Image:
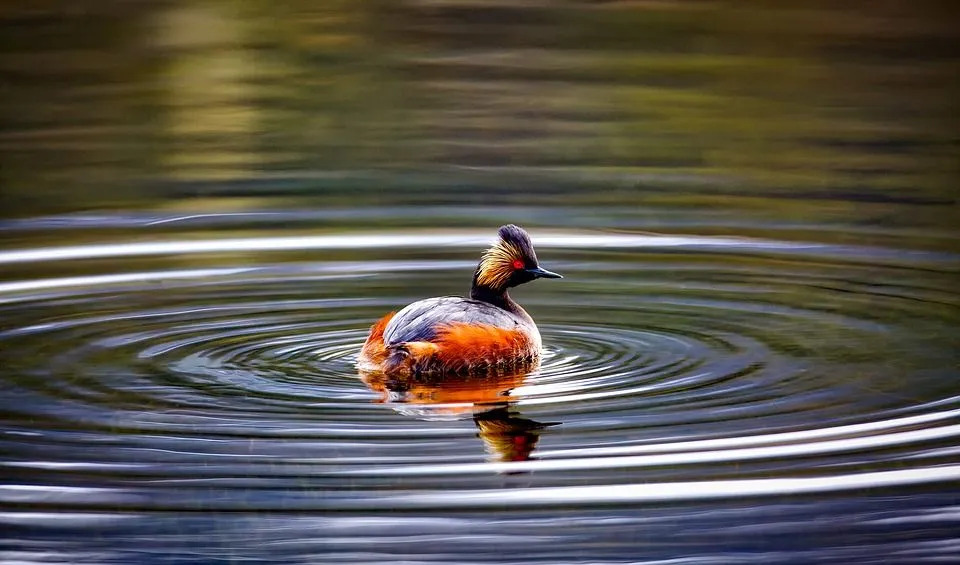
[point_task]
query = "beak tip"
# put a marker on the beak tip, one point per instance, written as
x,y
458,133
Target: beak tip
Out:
x,y
545,274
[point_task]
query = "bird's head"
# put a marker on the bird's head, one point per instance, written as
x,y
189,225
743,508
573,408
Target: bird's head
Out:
x,y
511,261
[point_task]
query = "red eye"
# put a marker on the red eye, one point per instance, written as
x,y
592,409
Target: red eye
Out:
x,y
517,264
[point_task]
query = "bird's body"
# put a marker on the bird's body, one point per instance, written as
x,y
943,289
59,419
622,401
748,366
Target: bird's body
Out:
x,y
449,335
425,319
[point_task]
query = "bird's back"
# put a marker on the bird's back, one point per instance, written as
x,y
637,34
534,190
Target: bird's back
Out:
x,y
424,319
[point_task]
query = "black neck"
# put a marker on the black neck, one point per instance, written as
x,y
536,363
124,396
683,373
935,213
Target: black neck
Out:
x,y
490,295
498,298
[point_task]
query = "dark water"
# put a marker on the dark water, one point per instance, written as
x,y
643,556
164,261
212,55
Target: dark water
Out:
x,y
752,358
721,399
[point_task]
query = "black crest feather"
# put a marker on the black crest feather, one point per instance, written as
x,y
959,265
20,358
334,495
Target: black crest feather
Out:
x,y
516,235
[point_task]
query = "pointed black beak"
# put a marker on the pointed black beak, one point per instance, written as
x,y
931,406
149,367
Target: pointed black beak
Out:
x,y
543,274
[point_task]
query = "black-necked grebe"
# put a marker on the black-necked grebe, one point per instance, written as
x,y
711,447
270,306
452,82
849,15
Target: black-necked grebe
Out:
x,y
450,335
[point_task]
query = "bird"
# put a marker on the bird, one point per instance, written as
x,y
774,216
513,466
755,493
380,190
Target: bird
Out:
x,y
487,333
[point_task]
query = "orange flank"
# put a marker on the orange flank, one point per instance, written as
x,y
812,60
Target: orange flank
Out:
x,y
458,349
465,347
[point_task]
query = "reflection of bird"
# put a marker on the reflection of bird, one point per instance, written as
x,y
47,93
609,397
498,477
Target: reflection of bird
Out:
x,y
457,395
487,333
508,437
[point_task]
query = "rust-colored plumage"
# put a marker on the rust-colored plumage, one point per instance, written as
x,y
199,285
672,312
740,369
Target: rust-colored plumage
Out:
x,y
466,349
374,350
488,333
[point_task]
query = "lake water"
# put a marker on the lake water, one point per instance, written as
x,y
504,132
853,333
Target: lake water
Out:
x,y
752,358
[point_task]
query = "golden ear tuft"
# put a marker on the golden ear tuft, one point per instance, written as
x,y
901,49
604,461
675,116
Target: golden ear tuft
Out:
x,y
496,265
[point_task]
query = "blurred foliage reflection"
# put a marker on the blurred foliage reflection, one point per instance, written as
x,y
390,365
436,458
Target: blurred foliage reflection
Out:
x,y
444,101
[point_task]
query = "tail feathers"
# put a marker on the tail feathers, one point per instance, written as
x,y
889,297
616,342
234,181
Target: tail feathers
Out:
x,y
374,351
409,357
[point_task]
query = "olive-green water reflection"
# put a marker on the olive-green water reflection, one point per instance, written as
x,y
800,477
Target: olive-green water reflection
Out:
x,y
350,103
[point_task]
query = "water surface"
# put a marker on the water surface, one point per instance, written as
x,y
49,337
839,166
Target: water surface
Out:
x,y
750,399
752,357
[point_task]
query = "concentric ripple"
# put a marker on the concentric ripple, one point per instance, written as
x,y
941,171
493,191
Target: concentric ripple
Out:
x,y
220,376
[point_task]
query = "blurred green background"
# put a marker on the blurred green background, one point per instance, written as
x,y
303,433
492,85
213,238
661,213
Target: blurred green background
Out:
x,y
787,110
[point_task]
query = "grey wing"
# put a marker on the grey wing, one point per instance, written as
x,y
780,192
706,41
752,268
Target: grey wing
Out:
x,y
421,320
